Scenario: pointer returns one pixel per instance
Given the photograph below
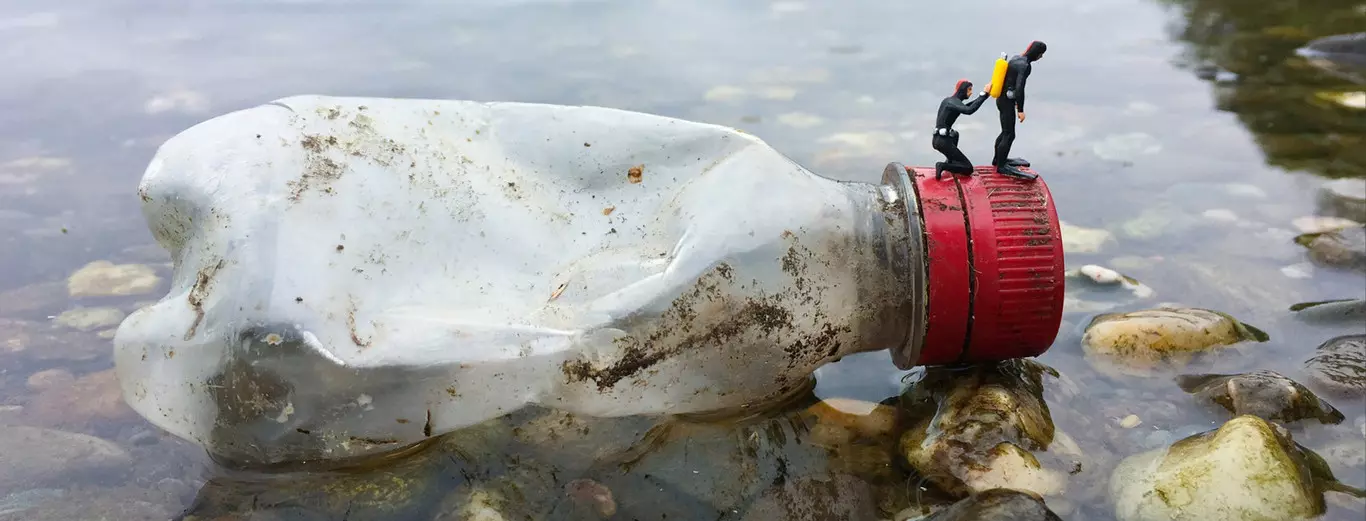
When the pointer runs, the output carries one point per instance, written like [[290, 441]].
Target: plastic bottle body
[[353, 275]]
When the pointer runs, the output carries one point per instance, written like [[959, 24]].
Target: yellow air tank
[[998, 76]]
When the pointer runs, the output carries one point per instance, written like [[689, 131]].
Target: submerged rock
[[815, 499], [89, 402], [44, 297], [998, 504], [1339, 365], [90, 319], [34, 456], [47, 342], [1320, 224], [1265, 394], [1103, 276], [1349, 311], [1345, 198], [1077, 239], [986, 427], [106, 279], [1345, 248], [1246, 470], [126, 503], [1143, 343], [591, 496]]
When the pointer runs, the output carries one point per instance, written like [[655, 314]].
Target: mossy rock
[[1146, 343]]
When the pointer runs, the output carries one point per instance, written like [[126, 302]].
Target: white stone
[[1101, 274]]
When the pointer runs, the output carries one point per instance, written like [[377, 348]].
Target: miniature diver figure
[[1011, 104], [945, 137]]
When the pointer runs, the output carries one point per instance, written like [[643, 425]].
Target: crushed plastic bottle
[[356, 275]]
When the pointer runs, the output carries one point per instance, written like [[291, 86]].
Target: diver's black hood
[[960, 90], [1035, 50]]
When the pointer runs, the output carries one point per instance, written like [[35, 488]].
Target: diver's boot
[[939, 171], [1017, 161], [1014, 172]]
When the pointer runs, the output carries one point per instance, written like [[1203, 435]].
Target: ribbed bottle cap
[[993, 263]]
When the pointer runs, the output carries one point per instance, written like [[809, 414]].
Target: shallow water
[[1144, 116]]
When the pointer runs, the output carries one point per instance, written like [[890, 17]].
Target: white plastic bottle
[[354, 275]]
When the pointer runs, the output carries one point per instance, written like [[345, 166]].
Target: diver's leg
[[938, 143], [1006, 108], [957, 163]]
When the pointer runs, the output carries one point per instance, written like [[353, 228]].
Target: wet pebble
[[1266, 394], [592, 496], [986, 427], [1241, 472], [34, 456], [1103, 276], [1339, 365], [1148, 342], [104, 279]]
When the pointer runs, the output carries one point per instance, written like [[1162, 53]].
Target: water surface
[[1154, 120]]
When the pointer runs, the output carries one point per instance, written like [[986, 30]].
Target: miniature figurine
[[1011, 104], [945, 137]]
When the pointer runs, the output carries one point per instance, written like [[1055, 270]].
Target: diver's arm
[[1020, 86], [975, 104]]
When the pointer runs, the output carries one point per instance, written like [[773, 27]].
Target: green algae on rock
[[985, 427], [1265, 394], [1339, 365], [1246, 470], [1147, 342]]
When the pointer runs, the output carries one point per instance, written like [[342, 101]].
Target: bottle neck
[[892, 288]]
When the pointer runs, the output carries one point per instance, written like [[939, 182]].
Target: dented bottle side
[[504, 268]]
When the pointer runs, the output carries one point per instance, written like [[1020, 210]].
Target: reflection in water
[[1303, 116], [542, 464]]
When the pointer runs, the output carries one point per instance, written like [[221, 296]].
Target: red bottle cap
[[993, 266]]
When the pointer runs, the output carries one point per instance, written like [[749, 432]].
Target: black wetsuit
[[949, 110], [1012, 100]]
